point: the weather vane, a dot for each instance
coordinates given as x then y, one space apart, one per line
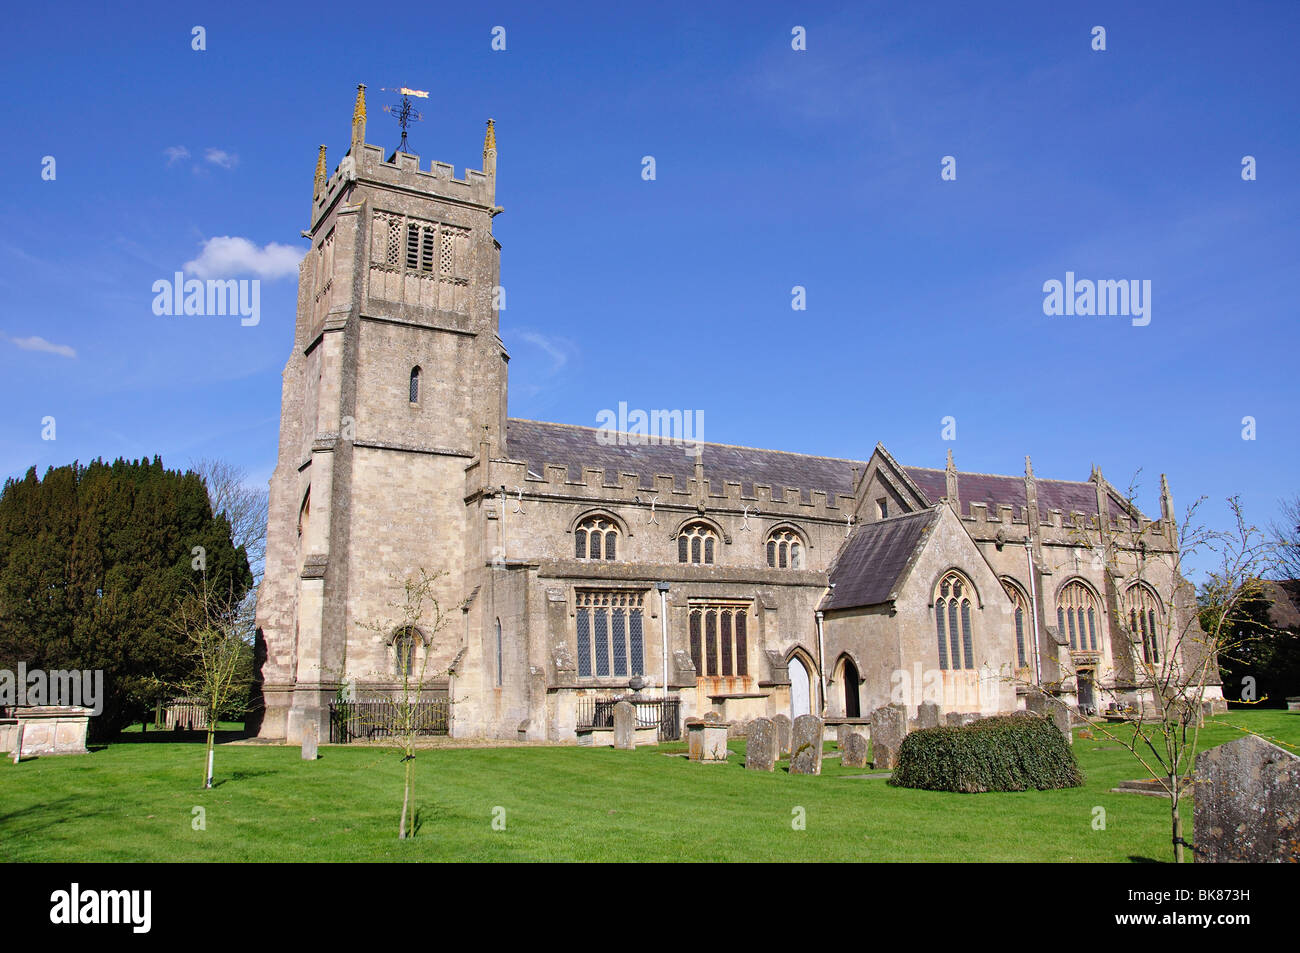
403 111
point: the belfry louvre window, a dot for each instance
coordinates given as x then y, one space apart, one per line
1076 615
596 538
417 246
696 543
952 622
1144 620
719 639
784 550
611 637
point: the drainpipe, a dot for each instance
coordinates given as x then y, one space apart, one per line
663 630
821 664
1033 596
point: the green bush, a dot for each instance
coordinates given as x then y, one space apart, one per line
1014 753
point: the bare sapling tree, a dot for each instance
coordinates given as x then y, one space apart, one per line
219 629
243 506
413 630
1159 687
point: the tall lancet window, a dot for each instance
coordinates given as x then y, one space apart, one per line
415 385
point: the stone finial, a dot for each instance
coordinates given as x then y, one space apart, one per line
950 473
320 170
1166 500
359 120
1029 468
490 148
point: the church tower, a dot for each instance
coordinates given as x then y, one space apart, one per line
395 385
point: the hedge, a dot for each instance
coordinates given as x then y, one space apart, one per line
1007 753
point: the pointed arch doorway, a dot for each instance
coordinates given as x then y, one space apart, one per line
852 704
800 688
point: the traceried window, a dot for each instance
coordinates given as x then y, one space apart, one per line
1021 615
696 543
1144 615
784 550
1076 616
952 622
403 653
611 637
415 385
719 634
596 538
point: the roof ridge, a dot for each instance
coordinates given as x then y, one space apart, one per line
1009 476
706 443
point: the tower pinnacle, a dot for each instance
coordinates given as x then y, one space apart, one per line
359 120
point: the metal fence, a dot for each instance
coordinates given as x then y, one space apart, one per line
374 720
661 713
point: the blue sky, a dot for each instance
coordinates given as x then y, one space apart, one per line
775 168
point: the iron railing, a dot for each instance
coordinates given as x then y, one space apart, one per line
661 713
374 720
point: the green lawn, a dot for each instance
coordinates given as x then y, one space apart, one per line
134 801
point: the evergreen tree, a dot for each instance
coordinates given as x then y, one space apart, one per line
94 561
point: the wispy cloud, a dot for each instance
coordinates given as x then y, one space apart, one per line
227 160
226 256
557 349
175 154
40 344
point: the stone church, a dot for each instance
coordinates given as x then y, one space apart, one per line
741 581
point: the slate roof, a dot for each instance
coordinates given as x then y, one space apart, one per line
994 490
872 561
538 444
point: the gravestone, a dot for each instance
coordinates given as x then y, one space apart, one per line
625 726
1052 708
1247 804
806 745
760 745
853 753
694 738
842 731
309 740
927 715
782 725
888 729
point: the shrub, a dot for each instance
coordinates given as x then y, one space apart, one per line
1014 753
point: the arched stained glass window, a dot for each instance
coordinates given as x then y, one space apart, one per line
696 544
952 605
1076 614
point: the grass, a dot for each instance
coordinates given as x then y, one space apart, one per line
134 801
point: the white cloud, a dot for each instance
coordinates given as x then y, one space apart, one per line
227 160
40 344
175 154
556 349
227 256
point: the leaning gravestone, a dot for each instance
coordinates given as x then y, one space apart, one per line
760 745
853 753
625 726
806 745
927 715
888 729
782 724
1247 804
1052 708
309 740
